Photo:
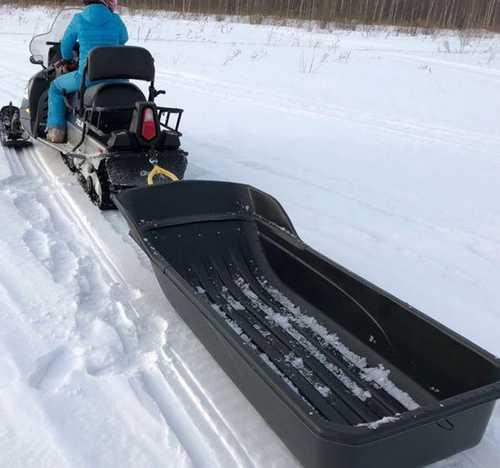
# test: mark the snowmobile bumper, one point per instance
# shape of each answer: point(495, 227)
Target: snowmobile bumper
point(346, 374)
point(126, 171)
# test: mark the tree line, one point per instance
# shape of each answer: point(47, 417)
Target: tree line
point(452, 14)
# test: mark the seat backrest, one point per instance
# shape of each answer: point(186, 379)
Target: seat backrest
point(120, 62)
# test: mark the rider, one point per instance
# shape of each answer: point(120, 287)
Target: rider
point(97, 25)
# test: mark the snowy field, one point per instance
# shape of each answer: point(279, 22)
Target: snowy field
point(383, 148)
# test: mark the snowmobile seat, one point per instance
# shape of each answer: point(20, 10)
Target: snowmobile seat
point(116, 63)
point(109, 104)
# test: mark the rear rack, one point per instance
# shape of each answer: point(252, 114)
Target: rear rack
point(96, 113)
point(168, 112)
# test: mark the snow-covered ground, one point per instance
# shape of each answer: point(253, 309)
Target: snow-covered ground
point(383, 148)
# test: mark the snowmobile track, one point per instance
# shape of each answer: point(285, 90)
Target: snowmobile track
point(205, 434)
point(293, 105)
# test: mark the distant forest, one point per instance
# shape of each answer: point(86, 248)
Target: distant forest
point(431, 14)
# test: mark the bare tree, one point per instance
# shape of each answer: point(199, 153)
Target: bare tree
point(456, 14)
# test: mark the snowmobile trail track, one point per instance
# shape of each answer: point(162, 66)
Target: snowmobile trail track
point(208, 438)
point(294, 105)
point(49, 212)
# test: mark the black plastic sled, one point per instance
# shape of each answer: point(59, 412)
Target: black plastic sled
point(12, 135)
point(347, 375)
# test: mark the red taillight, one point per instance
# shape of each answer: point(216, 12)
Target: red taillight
point(148, 131)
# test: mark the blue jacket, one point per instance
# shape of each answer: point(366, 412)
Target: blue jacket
point(95, 26)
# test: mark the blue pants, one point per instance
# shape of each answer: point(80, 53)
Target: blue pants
point(68, 83)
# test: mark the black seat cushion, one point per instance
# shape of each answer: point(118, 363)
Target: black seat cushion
point(113, 95)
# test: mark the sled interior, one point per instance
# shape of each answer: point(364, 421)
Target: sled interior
point(341, 354)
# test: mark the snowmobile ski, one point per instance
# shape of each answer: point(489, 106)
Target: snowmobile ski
point(12, 134)
point(347, 375)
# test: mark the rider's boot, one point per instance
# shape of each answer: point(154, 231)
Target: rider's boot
point(56, 135)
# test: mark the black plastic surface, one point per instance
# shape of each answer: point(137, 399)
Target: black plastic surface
point(113, 95)
point(120, 62)
point(308, 342)
point(130, 169)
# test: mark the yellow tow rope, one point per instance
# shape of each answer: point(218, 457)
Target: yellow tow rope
point(158, 170)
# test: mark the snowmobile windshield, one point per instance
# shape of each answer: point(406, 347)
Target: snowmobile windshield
point(41, 44)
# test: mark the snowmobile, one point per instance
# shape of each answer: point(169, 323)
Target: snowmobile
point(346, 374)
point(116, 137)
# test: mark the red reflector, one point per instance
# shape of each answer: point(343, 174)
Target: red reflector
point(148, 131)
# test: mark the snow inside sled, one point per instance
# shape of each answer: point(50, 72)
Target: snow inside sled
point(347, 375)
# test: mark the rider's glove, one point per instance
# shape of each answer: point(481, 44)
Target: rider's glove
point(65, 66)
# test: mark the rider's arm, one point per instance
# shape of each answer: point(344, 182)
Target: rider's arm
point(69, 40)
point(123, 31)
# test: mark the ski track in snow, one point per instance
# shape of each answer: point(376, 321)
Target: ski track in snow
point(294, 105)
point(115, 329)
point(107, 373)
